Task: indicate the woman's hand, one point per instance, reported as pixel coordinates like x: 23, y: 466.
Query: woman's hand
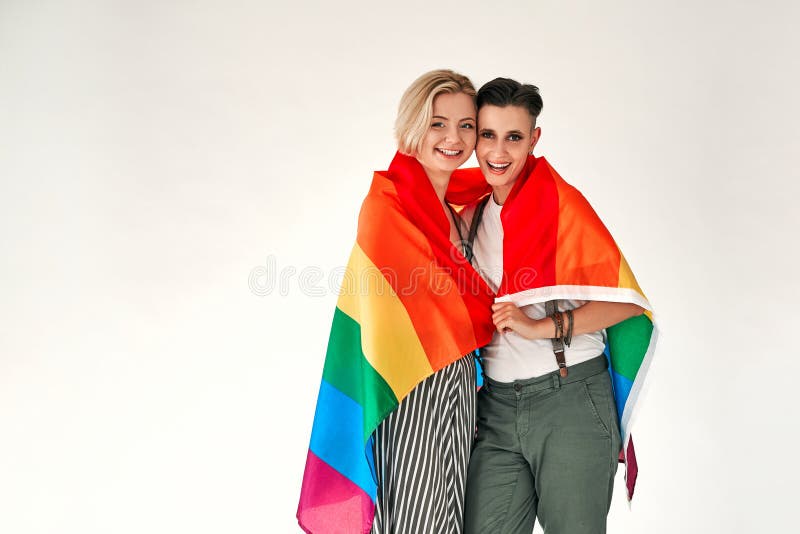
x: 591, y: 317
x: 507, y: 317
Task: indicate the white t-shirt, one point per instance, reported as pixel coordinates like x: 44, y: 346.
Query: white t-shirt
x: 510, y: 356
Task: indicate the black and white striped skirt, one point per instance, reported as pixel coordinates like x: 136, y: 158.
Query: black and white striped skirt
x: 422, y: 454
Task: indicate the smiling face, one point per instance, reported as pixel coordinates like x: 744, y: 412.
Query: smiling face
x: 505, y: 138
x: 450, y: 139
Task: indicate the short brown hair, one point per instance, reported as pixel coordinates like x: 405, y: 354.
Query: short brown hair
x: 502, y: 92
x: 416, y: 106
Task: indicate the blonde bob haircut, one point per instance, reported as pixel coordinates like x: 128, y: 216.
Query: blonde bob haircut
x: 416, y: 106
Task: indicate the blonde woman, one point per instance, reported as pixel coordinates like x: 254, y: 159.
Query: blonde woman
x: 400, y: 361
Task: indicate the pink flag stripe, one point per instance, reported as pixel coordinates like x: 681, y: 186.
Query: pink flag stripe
x: 332, y: 500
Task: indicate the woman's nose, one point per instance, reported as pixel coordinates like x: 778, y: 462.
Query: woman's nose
x: 497, y: 148
x: 452, y: 134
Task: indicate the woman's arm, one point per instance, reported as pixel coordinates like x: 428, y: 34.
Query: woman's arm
x: 591, y: 317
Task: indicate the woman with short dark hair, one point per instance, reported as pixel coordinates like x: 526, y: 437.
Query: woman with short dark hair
x: 548, y: 438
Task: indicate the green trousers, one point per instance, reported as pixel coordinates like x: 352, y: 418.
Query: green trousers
x: 546, y: 447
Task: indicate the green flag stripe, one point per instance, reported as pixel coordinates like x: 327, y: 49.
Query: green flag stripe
x: 348, y: 370
x: 628, y: 342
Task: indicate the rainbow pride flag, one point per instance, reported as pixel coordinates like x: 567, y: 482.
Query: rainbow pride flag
x: 409, y: 305
x: 556, y: 247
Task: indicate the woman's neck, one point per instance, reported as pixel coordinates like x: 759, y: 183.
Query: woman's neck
x: 439, y: 180
x: 500, y: 193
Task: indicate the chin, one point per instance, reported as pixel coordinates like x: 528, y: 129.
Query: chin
x: 495, y: 181
x: 451, y: 167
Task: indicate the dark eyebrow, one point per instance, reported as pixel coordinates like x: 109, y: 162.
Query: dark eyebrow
x: 510, y: 132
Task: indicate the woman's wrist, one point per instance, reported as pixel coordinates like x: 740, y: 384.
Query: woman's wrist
x: 537, y: 328
x: 545, y: 328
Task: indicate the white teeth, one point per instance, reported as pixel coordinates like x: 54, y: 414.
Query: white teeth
x: 498, y: 166
x: 449, y: 152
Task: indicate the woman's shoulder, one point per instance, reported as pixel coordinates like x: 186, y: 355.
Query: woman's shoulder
x: 382, y: 195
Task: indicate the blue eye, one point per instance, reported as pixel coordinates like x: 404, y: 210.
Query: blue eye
x: 487, y: 135
x: 467, y: 126
x: 514, y: 137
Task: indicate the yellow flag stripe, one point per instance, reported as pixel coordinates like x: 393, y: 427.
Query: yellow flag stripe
x: 388, y: 339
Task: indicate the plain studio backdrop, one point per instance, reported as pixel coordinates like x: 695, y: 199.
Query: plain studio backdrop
x: 179, y: 187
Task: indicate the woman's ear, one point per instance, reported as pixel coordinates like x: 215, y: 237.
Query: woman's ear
x: 535, y: 135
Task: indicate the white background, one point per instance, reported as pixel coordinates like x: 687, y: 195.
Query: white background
x: 153, y: 154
